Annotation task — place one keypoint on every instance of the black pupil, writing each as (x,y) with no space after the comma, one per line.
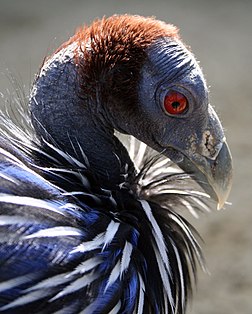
(175,104)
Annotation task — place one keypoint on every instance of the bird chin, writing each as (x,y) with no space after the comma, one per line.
(213,175)
(175,155)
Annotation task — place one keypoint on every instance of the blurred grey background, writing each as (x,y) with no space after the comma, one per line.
(220,35)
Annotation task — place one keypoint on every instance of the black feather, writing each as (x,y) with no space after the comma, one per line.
(69,245)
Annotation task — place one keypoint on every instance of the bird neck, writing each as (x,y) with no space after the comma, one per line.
(106,155)
(76,123)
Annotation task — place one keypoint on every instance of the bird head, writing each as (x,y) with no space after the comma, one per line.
(134,75)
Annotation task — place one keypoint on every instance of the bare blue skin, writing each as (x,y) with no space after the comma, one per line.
(194,140)
(70,123)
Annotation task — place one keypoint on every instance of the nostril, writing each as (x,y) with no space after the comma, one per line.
(210,147)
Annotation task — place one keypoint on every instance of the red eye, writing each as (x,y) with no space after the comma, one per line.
(175,103)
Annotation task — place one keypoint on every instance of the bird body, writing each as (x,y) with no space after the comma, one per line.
(85,228)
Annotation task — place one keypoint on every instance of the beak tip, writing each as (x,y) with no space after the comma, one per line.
(224,174)
(220,205)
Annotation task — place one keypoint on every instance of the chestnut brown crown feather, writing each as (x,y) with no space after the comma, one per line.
(113,51)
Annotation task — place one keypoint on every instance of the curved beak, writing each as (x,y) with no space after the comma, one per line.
(219,173)
(213,175)
(208,159)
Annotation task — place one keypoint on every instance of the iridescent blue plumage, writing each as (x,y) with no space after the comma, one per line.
(64,249)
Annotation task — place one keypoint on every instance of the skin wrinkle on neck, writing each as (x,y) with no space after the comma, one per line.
(71,121)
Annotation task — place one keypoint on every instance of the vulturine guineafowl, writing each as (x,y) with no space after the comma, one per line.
(84,227)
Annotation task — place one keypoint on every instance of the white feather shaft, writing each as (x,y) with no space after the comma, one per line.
(126,256)
(30,201)
(61,231)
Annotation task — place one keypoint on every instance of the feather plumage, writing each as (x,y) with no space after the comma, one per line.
(67,241)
